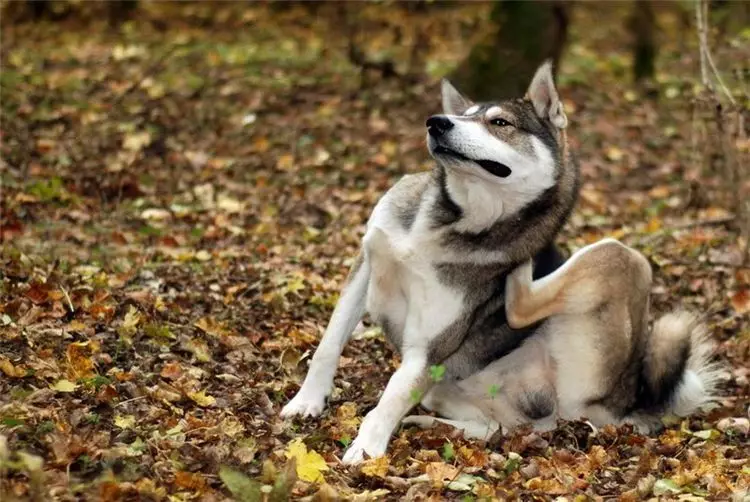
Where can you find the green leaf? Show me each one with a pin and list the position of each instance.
(415, 395)
(665, 486)
(448, 453)
(494, 389)
(707, 434)
(512, 464)
(437, 372)
(11, 422)
(242, 487)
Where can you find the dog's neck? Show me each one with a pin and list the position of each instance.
(480, 202)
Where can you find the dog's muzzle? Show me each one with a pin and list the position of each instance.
(437, 125)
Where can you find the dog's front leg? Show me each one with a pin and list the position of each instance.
(403, 391)
(310, 399)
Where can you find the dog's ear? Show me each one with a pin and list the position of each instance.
(543, 96)
(453, 102)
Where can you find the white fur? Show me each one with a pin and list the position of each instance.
(492, 112)
(310, 399)
(530, 176)
(395, 402)
(478, 199)
(471, 110)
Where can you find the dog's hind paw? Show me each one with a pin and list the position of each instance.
(304, 405)
(423, 421)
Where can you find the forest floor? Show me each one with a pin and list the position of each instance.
(182, 197)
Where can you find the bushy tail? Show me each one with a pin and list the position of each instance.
(678, 374)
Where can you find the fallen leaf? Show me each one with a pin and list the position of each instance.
(10, 369)
(80, 364)
(741, 301)
(190, 481)
(201, 398)
(440, 471)
(665, 486)
(242, 487)
(375, 467)
(64, 386)
(124, 421)
(310, 464)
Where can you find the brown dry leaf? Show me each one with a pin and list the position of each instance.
(212, 327)
(190, 481)
(38, 293)
(261, 145)
(741, 301)
(473, 457)
(440, 471)
(171, 371)
(80, 364)
(376, 467)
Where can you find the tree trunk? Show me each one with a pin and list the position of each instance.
(643, 28)
(526, 34)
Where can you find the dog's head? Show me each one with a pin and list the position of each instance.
(515, 144)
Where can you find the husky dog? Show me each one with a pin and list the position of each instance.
(592, 355)
(433, 268)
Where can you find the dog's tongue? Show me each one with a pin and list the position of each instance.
(495, 168)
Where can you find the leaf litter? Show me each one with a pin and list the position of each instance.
(176, 231)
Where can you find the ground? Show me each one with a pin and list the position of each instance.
(182, 195)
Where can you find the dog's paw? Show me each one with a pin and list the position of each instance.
(517, 293)
(423, 421)
(305, 405)
(523, 275)
(356, 452)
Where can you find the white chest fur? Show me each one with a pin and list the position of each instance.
(405, 290)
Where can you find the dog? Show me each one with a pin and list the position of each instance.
(458, 268)
(439, 246)
(592, 354)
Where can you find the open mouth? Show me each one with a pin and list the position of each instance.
(497, 168)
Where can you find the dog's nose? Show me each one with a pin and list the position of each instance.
(437, 125)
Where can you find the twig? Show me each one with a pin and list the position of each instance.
(67, 297)
(705, 223)
(701, 15)
(130, 400)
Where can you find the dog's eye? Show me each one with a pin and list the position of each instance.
(500, 122)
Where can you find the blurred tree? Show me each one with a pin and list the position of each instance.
(643, 28)
(117, 10)
(524, 35)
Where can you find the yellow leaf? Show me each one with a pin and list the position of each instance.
(614, 154)
(64, 386)
(124, 421)
(261, 145)
(212, 327)
(202, 398)
(79, 354)
(130, 322)
(654, 224)
(309, 463)
(347, 418)
(375, 467)
(285, 162)
(9, 369)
